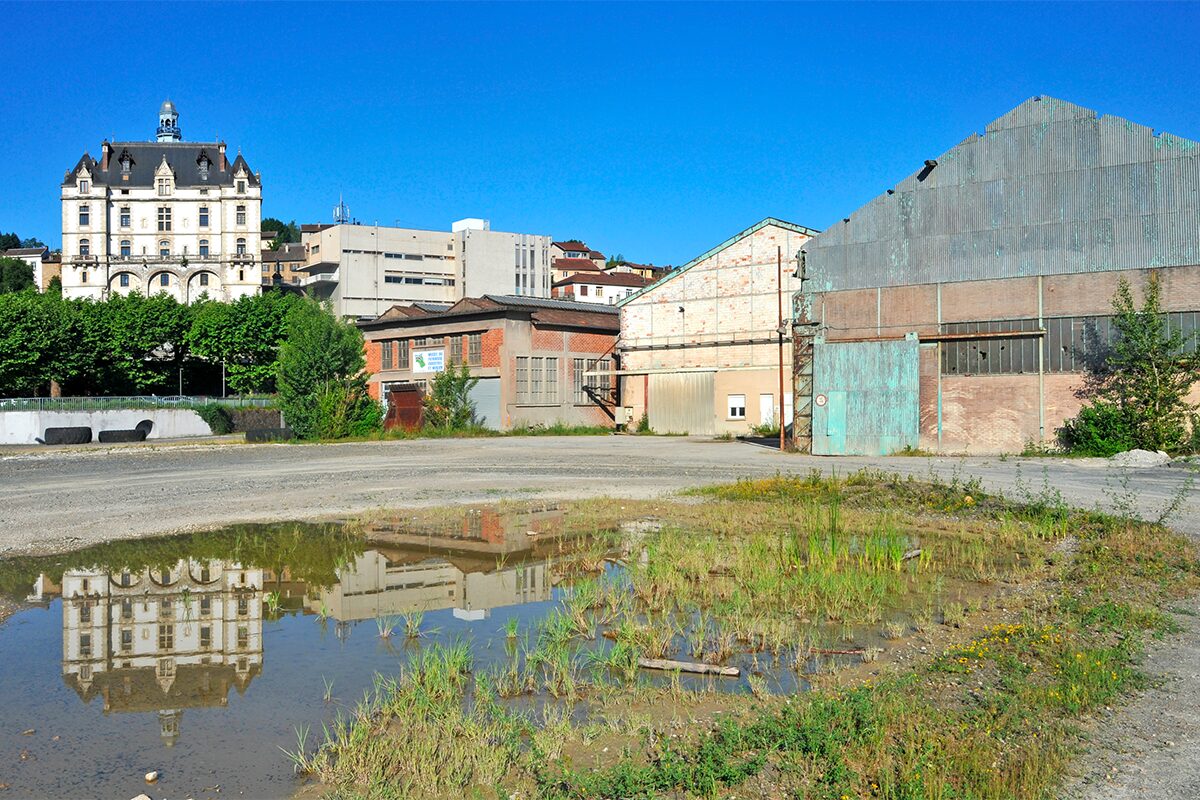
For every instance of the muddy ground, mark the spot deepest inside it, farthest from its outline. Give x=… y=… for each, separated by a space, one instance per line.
x=53 y=500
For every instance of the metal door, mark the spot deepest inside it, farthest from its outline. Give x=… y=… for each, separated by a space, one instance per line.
x=865 y=396
x=486 y=396
x=682 y=402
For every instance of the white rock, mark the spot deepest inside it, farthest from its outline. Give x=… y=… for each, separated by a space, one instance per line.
x=1140 y=458
x=151 y=776
x=143 y=797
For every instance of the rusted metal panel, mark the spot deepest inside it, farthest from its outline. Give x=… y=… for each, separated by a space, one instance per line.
x=866 y=396
x=1049 y=188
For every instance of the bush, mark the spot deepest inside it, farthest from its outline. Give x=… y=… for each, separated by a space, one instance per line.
x=248 y=417
x=448 y=405
x=345 y=409
x=1101 y=429
x=217 y=417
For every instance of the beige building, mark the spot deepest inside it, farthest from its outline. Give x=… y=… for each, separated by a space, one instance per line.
x=699 y=349
x=366 y=269
x=161 y=217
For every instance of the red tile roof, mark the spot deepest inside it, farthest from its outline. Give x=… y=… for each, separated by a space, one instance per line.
x=572 y=244
x=606 y=279
x=583 y=264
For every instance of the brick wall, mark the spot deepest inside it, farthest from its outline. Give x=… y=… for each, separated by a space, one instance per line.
x=596 y=343
x=492 y=341
x=546 y=340
x=374 y=356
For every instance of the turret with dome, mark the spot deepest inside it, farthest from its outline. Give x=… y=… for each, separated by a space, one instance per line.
x=168 y=123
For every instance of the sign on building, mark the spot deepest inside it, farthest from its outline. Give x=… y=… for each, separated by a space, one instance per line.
x=429 y=360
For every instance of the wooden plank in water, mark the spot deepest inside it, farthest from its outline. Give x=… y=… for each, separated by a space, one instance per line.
x=688 y=666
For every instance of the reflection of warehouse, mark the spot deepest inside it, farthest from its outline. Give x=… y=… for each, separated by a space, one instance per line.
x=162 y=640
x=389 y=581
x=952 y=310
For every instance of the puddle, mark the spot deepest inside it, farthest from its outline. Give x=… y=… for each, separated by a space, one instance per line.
x=200 y=656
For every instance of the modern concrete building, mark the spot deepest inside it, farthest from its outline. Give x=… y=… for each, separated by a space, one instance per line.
x=699 y=348
x=161 y=217
x=538 y=361
x=953 y=311
x=605 y=288
x=366 y=269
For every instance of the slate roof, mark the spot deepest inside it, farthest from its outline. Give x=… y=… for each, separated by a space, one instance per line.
x=26 y=251
x=182 y=157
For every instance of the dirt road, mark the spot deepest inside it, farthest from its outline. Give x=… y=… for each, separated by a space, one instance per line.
x=61 y=500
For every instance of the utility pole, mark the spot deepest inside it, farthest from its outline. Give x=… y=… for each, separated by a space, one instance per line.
x=803 y=333
x=779 y=330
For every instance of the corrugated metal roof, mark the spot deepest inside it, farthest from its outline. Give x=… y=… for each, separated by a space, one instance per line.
x=1049 y=188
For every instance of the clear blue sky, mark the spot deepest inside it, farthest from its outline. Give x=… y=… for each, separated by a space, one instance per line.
x=656 y=131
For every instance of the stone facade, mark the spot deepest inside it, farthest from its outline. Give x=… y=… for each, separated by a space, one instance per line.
x=163 y=217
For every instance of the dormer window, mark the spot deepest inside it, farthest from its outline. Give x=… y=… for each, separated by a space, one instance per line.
x=164 y=187
x=241 y=187
x=84 y=186
x=202 y=165
x=126 y=161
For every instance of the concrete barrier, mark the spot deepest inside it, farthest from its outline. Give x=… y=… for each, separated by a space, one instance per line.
x=26 y=427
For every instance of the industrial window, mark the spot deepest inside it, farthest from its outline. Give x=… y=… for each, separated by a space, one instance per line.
x=537 y=380
x=85 y=247
x=581 y=382
x=737 y=406
x=166 y=636
x=522 y=379
x=550 y=381
x=125 y=216
x=385 y=354
x=241 y=215
x=164 y=218
x=203 y=216
x=456 y=350
x=204 y=248
x=85 y=216
x=475 y=349
x=403 y=361
x=126 y=248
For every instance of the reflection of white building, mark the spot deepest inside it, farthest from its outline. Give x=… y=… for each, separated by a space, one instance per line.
x=375 y=585
x=162 y=640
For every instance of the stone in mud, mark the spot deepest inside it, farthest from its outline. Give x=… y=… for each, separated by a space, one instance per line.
x=151 y=776
x=142 y=796
x=1140 y=458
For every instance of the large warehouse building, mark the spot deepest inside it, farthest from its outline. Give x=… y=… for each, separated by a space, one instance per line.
x=951 y=312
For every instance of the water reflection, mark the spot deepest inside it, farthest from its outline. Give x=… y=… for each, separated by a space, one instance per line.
x=162 y=640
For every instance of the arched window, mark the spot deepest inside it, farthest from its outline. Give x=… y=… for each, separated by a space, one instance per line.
x=204 y=248
x=85 y=247
x=164 y=249
x=126 y=248
x=241 y=246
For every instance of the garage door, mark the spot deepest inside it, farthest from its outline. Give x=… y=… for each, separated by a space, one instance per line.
x=865 y=397
x=682 y=403
x=486 y=396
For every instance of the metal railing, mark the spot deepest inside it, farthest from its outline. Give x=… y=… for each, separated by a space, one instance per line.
x=132 y=402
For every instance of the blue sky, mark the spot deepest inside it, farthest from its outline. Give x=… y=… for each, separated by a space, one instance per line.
x=655 y=131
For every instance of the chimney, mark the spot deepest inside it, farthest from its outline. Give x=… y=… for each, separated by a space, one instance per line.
x=221 y=150
x=105 y=154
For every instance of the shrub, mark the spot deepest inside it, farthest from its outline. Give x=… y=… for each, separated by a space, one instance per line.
x=217 y=417
x=448 y=404
x=643 y=424
x=345 y=409
x=1101 y=429
x=248 y=417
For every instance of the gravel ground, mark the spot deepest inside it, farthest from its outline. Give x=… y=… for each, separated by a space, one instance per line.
x=56 y=499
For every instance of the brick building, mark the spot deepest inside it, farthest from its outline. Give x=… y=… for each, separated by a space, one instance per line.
x=953 y=311
x=699 y=348
x=532 y=356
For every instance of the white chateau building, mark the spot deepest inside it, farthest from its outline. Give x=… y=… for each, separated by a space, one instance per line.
x=164 y=216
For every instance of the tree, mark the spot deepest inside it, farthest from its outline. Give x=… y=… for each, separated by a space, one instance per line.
x=146 y=339
x=33 y=338
x=15 y=275
x=32 y=241
x=448 y=404
x=245 y=336
x=322 y=388
x=285 y=232
x=8 y=241
x=1137 y=386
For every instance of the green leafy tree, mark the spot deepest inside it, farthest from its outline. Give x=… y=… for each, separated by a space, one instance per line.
x=33 y=338
x=1137 y=386
x=9 y=241
x=32 y=241
x=322 y=388
x=15 y=275
x=146 y=340
x=285 y=232
x=245 y=336
x=449 y=405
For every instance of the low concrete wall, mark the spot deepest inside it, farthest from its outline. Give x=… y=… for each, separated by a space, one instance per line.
x=26 y=427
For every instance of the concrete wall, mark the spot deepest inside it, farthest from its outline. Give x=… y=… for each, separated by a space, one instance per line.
x=25 y=427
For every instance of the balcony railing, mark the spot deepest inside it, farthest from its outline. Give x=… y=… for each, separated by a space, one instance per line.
x=321 y=277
